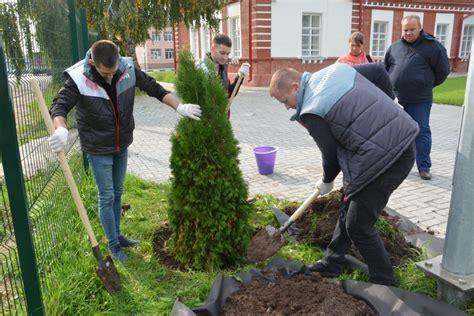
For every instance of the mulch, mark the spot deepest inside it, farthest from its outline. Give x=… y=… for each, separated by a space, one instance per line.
x=302 y=294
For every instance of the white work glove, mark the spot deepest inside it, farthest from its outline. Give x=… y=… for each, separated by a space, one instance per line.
x=244 y=69
x=58 y=140
x=189 y=110
x=324 y=187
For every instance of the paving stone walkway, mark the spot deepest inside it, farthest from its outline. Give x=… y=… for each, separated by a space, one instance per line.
x=259 y=120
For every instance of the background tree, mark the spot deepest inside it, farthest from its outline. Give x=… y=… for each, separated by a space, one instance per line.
x=127 y=21
x=208 y=212
x=36 y=33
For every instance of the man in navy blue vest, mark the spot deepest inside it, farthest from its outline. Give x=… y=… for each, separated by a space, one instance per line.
x=102 y=88
x=362 y=132
x=416 y=63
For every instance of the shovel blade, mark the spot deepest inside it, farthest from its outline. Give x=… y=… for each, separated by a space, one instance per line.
x=108 y=274
x=265 y=244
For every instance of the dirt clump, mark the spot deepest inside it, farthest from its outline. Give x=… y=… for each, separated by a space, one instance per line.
x=161 y=235
x=302 y=294
x=318 y=222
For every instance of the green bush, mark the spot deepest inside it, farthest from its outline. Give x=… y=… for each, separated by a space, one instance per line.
x=208 y=212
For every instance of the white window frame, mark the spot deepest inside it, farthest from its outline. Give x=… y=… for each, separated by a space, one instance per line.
x=376 y=39
x=155 y=53
x=443 y=37
x=205 y=41
x=194 y=42
x=169 y=53
x=167 y=36
x=466 y=41
x=235 y=36
x=312 y=32
x=446 y=18
x=156 y=36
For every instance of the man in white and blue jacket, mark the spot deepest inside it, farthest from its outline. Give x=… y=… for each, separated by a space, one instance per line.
x=362 y=132
x=102 y=88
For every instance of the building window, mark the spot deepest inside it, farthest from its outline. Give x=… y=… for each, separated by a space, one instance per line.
x=311 y=35
x=234 y=23
x=205 y=46
x=467 y=39
x=168 y=36
x=169 y=53
x=441 y=33
x=155 y=53
x=194 y=42
x=156 y=36
x=379 y=38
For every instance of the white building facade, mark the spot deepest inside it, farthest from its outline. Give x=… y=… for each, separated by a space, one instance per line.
x=308 y=35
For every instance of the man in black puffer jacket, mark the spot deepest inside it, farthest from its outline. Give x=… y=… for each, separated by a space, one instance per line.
x=416 y=63
x=102 y=88
x=363 y=133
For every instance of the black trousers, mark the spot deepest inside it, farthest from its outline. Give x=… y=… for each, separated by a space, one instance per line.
x=357 y=218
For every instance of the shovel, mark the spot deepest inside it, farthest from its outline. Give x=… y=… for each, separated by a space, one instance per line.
x=105 y=270
x=234 y=92
x=269 y=240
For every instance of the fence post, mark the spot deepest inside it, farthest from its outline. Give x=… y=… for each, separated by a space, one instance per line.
x=73 y=29
x=84 y=31
x=17 y=195
x=85 y=47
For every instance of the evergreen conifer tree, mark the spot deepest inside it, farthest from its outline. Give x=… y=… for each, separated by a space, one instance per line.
x=208 y=212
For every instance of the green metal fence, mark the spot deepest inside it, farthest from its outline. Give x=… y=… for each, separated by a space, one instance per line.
x=38 y=39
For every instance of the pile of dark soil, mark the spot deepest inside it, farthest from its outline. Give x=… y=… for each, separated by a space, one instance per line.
x=318 y=222
x=160 y=237
x=302 y=294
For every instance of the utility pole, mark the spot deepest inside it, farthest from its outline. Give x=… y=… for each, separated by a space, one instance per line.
x=454 y=269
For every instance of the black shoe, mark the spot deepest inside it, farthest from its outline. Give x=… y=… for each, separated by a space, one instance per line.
x=425 y=175
x=125 y=242
x=326 y=270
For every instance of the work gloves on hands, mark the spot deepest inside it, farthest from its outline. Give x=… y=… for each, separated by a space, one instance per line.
x=324 y=187
x=189 y=110
x=244 y=69
x=58 y=141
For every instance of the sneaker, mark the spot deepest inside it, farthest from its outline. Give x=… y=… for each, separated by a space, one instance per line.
x=118 y=254
x=126 y=242
x=425 y=175
x=326 y=270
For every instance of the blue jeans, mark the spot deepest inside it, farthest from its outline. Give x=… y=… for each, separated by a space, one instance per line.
x=420 y=112
x=109 y=173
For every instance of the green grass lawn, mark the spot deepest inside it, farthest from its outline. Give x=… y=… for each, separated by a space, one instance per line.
x=164 y=76
x=148 y=287
x=451 y=91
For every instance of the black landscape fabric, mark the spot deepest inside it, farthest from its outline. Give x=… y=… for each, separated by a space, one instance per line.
x=385 y=300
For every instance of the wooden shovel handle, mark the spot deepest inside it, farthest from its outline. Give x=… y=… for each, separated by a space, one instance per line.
x=234 y=92
x=64 y=164
x=304 y=206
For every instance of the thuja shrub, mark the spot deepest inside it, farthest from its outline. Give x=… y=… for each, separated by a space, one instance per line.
x=208 y=213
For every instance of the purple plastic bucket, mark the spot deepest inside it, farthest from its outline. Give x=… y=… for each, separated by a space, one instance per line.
x=265 y=156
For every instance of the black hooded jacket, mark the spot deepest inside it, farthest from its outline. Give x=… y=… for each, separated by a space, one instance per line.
x=415 y=68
